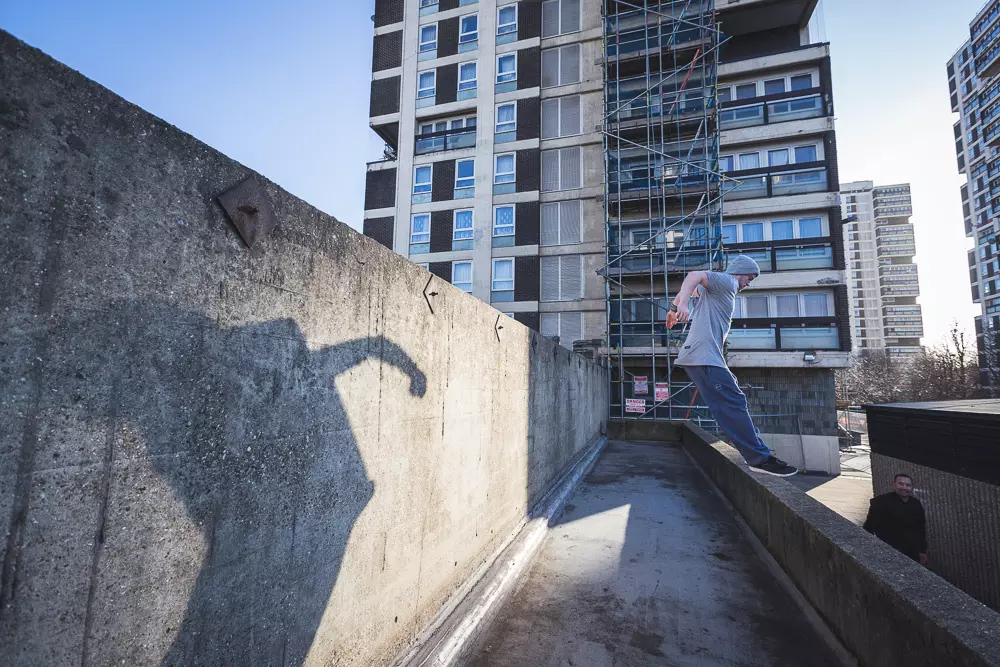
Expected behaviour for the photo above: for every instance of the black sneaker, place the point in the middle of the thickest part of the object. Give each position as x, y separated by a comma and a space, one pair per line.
775, 466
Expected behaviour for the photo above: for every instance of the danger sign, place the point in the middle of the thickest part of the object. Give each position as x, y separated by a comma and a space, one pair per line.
635, 405
641, 385
662, 391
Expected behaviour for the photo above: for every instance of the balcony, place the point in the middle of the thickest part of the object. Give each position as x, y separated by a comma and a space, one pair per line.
765, 113
776, 184
900, 290
894, 250
629, 100
445, 140
670, 247
987, 49
788, 255
786, 334
635, 173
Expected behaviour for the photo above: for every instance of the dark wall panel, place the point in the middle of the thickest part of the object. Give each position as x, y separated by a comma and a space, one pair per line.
441, 231
443, 181
447, 84
380, 189
529, 118
530, 320
388, 12
529, 68
384, 97
751, 45
528, 170
387, 51
529, 19
441, 269
832, 167
447, 37
526, 223
526, 285
380, 229
842, 309
837, 240
445, 5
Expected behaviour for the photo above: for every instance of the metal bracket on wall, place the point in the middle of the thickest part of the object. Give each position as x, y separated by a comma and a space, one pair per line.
497, 327
249, 208
427, 295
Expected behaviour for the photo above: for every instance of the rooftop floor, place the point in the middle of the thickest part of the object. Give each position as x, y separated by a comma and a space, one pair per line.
648, 567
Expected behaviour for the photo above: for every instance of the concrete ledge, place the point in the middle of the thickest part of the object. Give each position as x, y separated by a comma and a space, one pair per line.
645, 430
884, 608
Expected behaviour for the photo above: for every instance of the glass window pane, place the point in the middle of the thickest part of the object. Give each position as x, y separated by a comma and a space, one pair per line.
805, 154
725, 94
750, 161
729, 234
788, 305
816, 305
505, 163
774, 86
466, 168
781, 230
726, 163
753, 232
746, 91
810, 228
756, 306
503, 221
778, 157
506, 68
802, 82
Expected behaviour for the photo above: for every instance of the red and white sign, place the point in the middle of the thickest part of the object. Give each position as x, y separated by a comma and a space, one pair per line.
635, 405
641, 385
662, 391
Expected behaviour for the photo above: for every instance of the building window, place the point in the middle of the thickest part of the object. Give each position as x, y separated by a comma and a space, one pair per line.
816, 305
805, 154
506, 118
428, 38
462, 234
561, 66
729, 234
746, 91
753, 232
468, 32
461, 275
506, 23
782, 230
561, 117
561, 278
465, 178
426, 88
560, 17
503, 225
774, 86
420, 233
787, 305
504, 169
802, 82
777, 158
755, 307
421, 184
725, 163
560, 223
561, 169
507, 68
467, 81
749, 161
502, 288
810, 228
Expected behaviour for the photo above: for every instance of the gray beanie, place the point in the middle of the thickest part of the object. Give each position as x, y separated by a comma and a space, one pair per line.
741, 265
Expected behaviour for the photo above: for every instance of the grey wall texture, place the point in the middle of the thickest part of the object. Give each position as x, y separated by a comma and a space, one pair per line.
792, 399
963, 524
221, 455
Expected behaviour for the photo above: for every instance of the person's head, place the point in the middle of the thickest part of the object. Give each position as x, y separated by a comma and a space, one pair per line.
744, 269
902, 484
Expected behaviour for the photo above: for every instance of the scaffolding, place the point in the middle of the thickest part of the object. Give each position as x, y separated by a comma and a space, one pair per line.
663, 192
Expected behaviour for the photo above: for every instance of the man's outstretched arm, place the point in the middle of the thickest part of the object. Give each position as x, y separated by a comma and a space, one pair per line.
679, 311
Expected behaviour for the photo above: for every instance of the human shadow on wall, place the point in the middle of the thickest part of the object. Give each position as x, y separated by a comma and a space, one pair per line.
249, 430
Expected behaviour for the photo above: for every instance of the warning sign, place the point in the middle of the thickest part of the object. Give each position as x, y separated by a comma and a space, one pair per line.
662, 391
641, 385
635, 405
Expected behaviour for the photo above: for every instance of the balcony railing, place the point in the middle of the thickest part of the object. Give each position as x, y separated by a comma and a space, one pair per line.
630, 42
764, 113
630, 99
788, 255
446, 140
785, 333
777, 184
645, 173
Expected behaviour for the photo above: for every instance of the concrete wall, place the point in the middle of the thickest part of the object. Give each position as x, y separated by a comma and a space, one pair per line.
885, 608
222, 455
963, 524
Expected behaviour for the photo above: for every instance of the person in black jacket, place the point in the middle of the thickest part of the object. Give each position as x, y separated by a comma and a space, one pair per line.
897, 518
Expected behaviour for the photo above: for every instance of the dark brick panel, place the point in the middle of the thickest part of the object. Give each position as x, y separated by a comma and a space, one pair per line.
380, 189
447, 37
842, 309
529, 118
754, 44
832, 168
387, 51
388, 12
837, 240
447, 84
441, 231
441, 269
530, 320
384, 97
526, 285
380, 229
526, 223
445, 5
443, 181
807, 393
529, 68
528, 170
529, 19
826, 83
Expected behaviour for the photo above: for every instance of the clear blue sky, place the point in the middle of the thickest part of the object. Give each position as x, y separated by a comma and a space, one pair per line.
283, 88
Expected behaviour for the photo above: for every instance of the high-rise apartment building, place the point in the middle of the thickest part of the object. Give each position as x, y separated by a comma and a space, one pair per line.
974, 83
881, 274
569, 160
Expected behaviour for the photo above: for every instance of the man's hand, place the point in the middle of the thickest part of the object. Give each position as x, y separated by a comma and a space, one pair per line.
923, 559
682, 314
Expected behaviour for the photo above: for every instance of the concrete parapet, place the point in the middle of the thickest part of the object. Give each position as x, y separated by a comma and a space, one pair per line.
885, 608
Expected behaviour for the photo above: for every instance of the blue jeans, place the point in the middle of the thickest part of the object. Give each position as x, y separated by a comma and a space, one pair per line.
729, 407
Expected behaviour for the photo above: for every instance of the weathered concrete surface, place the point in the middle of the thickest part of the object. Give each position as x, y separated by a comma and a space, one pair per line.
221, 456
885, 608
648, 567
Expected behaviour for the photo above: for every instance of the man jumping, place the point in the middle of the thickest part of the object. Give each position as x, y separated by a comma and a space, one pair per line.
702, 358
